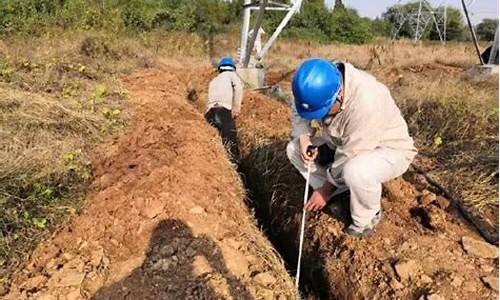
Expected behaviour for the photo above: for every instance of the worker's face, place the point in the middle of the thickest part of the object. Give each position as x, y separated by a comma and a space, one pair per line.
334, 110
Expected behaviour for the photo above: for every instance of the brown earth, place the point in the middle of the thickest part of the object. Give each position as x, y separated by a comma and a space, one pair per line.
416, 253
417, 250
166, 218
439, 167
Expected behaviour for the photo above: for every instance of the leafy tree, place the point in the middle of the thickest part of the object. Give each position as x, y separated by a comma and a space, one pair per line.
486, 29
380, 27
339, 4
202, 16
393, 14
316, 22
346, 26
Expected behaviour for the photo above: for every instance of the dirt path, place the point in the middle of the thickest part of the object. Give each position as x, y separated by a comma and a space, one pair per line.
166, 220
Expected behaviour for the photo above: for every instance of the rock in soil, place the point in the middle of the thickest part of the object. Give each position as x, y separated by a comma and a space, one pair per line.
426, 279
420, 182
487, 268
153, 207
430, 217
442, 202
71, 278
434, 297
491, 282
427, 198
457, 281
395, 284
264, 279
479, 248
35, 282
437, 218
406, 269
197, 210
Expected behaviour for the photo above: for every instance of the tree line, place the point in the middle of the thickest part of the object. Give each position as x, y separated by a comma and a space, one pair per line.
207, 17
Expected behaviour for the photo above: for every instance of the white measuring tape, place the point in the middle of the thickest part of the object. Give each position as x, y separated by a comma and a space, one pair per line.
302, 228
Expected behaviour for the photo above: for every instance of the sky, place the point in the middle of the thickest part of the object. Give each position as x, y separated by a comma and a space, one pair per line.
478, 10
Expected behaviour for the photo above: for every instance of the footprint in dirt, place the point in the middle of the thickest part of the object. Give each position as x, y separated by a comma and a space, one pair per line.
178, 265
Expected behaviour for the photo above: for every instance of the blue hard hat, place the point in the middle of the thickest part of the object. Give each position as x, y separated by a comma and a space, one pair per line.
227, 63
315, 86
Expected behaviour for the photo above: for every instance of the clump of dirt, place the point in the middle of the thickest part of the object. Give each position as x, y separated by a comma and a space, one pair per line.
166, 219
417, 251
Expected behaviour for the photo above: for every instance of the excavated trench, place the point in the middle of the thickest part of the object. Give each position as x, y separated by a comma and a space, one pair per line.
284, 237
165, 219
410, 255
266, 175
275, 190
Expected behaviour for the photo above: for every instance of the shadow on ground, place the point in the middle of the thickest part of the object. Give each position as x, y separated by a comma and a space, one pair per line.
178, 265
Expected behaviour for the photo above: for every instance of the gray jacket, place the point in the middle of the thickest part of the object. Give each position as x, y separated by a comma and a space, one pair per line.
225, 90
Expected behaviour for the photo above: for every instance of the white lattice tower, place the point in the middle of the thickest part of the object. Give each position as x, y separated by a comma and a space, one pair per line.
419, 20
290, 6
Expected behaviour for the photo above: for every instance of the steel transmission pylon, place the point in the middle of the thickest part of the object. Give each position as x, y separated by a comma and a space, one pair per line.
291, 7
420, 19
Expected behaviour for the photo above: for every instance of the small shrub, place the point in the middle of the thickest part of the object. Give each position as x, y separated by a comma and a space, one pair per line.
95, 47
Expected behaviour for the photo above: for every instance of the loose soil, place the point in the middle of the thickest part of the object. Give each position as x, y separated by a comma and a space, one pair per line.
417, 251
166, 219
444, 165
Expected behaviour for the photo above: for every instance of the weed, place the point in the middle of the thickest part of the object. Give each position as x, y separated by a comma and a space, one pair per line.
95, 47
6, 71
76, 163
56, 104
113, 116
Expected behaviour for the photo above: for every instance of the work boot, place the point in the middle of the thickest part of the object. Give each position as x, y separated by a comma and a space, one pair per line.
365, 230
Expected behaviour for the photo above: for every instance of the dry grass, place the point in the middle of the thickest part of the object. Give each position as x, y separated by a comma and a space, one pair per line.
455, 122
391, 53
453, 119
60, 96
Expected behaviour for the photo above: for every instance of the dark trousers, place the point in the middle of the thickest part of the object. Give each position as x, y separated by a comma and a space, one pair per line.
222, 119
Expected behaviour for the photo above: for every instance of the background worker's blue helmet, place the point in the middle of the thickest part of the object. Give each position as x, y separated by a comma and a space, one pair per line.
315, 86
226, 64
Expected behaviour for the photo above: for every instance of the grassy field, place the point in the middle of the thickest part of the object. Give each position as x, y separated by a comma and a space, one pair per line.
61, 95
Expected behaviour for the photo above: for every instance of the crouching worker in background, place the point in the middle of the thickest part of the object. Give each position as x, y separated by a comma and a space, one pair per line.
363, 140
225, 93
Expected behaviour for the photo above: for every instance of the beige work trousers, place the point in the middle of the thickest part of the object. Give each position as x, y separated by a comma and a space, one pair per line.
363, 176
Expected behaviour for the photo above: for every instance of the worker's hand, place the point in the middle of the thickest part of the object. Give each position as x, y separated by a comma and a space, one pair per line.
319, 198
235, 114
305, 143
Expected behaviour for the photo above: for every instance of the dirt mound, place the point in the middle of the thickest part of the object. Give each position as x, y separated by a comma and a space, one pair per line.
166, 219
417, 251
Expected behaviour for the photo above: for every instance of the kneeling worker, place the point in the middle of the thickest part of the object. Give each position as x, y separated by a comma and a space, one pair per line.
360, 126
225, 93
